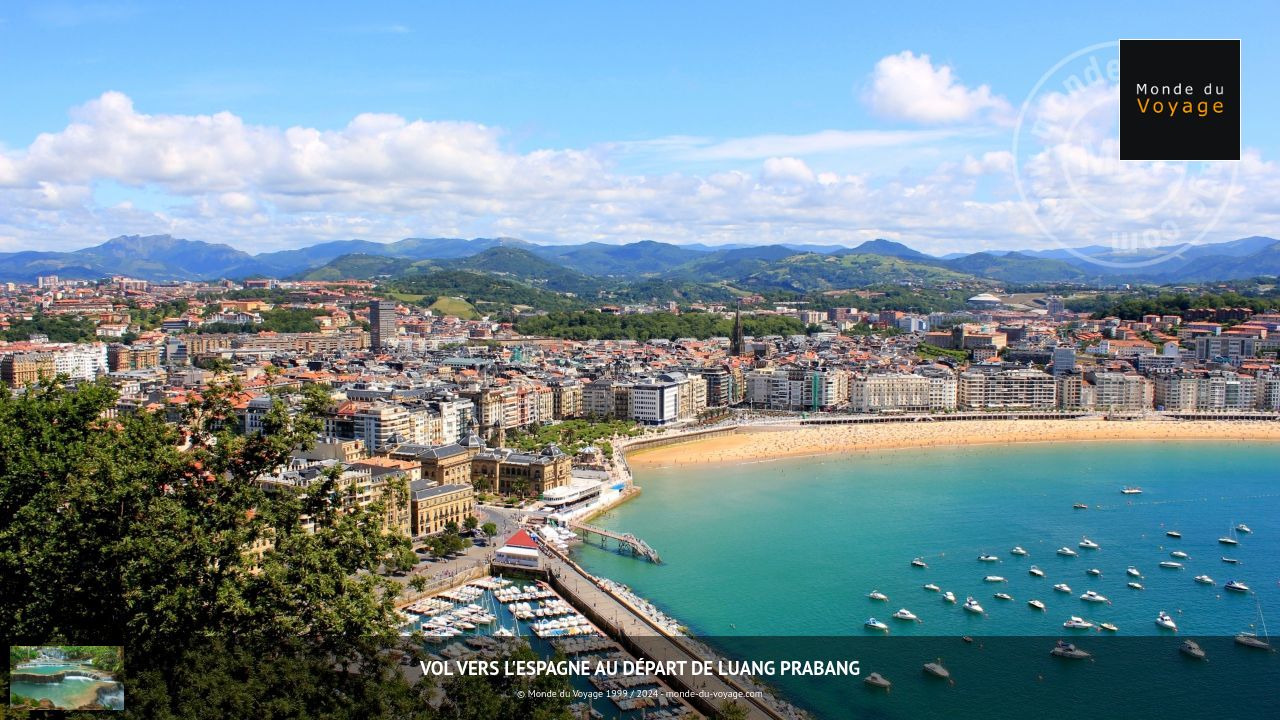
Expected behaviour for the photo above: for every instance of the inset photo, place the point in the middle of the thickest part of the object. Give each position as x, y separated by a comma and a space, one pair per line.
66, 677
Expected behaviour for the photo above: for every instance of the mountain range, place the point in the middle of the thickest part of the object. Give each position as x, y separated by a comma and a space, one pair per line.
597, 266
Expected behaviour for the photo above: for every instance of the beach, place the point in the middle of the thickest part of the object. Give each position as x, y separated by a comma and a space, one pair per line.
767, 442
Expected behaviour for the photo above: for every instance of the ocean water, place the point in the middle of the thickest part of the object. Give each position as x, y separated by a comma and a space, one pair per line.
791, 548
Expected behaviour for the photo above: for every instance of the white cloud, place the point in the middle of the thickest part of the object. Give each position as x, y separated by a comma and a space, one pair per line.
907, 86
383, 177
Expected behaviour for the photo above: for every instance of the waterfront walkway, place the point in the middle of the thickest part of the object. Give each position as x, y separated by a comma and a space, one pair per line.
641, 637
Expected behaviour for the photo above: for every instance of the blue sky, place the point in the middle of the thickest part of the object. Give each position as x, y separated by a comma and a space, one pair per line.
622, 110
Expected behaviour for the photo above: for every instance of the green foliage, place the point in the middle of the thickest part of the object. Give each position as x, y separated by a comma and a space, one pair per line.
648, 326
1165, 303
571, 435
925, 350
489, 529
280, 319
151, 318
482, 288
59, 328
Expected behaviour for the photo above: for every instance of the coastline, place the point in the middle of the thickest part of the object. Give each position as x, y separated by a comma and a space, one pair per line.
760, 443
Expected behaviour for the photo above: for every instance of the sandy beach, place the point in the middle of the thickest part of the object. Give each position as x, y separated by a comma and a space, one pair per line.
754, 444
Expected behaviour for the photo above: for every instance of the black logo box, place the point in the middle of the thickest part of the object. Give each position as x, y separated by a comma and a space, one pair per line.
1160, 77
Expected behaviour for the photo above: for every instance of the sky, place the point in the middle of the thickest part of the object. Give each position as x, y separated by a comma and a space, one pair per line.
275, 125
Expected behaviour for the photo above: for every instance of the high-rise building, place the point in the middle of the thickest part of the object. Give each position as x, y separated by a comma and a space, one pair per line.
382, 323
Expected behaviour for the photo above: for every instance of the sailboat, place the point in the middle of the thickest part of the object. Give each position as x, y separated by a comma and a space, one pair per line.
1250, 639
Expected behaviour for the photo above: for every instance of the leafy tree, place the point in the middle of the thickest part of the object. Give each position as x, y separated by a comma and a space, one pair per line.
470, 523
489, 529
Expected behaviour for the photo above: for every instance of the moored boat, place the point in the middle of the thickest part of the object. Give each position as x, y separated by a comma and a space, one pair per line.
875, 624
1130, 490
1135, 586
988, 558
971, 605
1166, 622
1062, 588
1230, 561
1171, 565
931, 587
878, 681
1091, 596
1133, 572
1236, 586
1069, 651
1095, 572
1173, 534
1018, 550
1036, 571
1243, 528
1036, 604
1179, 554
1067, 552
1077, 623
905, 614
877, 595
1003, 596
994, 579
949, 596
937, 670
1192, 649
919, 562
1109, 627
1204, 579
1088, 544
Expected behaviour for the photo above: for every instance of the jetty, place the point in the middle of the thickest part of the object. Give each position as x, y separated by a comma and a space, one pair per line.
638, 547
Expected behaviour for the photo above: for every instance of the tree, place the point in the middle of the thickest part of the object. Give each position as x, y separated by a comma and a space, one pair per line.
403, 559
418, 583
489, 529
470, 523
732, 710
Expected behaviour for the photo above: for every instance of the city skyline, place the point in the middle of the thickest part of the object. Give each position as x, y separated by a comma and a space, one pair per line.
689, 126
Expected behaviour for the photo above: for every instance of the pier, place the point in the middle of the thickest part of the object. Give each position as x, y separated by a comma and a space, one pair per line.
638, 547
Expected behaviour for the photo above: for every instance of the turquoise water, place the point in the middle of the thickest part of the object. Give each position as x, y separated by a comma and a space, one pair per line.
793, 547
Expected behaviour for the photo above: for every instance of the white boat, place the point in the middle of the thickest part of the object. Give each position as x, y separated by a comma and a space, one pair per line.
972, 606
949, 596
919, 562
1228, 541
1109, 627
1133, 572
1173, 534
1091, 596
1135, 586
875, 624
1166, 622
1067, 552
1171, 565
905, 614
1204, 579
932, 588
1062, 588
1179, 554
1036, 571
1077, 623
988, 558
1003, 596
1094, 572
877, 680
1250, 639
1065, 649
877, 595
1236, 586
1243, 528
1088, 544
1230, 561
994, 579
1018, 550
937, 670
1036, 604
1127, 490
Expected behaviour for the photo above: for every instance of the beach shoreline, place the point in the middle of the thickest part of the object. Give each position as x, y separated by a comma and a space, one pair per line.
754, 444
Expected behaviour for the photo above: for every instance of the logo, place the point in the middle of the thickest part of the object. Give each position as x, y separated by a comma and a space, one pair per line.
1116, 213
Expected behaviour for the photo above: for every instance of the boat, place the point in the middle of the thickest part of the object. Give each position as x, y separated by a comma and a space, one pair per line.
1088, 544
931, 587
877, 680
1133, 572
1091, 596
1179, 554
1036, 571
966, 639
1062, 588
1094, 572
988, 558
1003, 596
1080, 506
1067, 552
1191, 649
1109, 627
1036, 604
1236, 586
1230, 561
1127, 490
1018, 550
971, 605
1204, 579
1171, 565
919, 562
875, 624
1228, 541
1173, 534
877, 595
1065, 649
1243, 528
949, 596
994, 579
1135, 586
937, 670
905, 614
1077, 623
1166, 622
1250, 639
